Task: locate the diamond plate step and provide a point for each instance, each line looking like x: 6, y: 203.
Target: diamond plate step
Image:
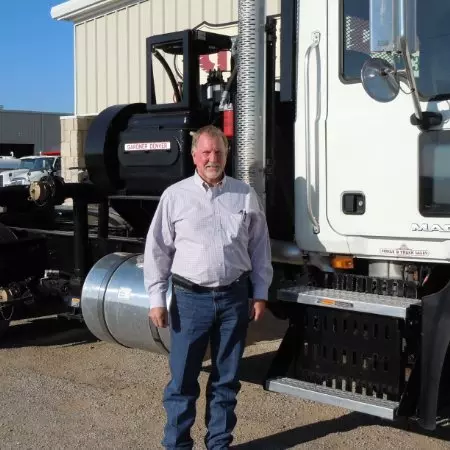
x: 383, y: 305
x: 373, y: 406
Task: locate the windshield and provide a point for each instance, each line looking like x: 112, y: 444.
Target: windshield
x: 36, y: 163
x: 431, y: 63
x: 9, y: 165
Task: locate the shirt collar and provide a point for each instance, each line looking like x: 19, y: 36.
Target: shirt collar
x: 200, y: 182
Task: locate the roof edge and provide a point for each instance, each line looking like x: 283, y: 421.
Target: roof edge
x: 81, y: 10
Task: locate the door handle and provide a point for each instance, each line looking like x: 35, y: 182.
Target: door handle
x: 314, y: 46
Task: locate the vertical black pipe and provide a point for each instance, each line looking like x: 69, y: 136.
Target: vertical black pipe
x: 81, y: 238
x: 271, y: 31
x: 103, y: 218
x: 151, y: 96
x: 288, y: 46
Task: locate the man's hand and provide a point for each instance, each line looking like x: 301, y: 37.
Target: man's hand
x: 258, y: 309
x: 159, y: 317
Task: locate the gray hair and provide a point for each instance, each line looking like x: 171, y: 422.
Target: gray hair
x: 211, y: 131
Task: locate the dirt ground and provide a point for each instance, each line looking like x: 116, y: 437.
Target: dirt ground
x: 60, y: 388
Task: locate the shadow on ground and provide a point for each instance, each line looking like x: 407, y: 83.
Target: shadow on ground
x: 309, y: 433
x: 47, y: 331
x: 254, y: 369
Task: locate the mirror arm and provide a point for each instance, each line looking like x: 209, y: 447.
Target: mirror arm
x: 424, y: 120
x: 402, y: 76
x: 411, y: 78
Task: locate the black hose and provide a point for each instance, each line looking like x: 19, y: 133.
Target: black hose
x: 169, y: 73
x: 228, y: 86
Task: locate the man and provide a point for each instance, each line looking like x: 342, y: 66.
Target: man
x: 210, y: 234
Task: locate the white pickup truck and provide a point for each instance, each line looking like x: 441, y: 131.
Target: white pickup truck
x: 31, y: 168
x: 8, y: 165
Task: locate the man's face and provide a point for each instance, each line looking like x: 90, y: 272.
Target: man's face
x: 210, y: 157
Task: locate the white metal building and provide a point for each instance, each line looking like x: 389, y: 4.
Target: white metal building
x: 29, y: 132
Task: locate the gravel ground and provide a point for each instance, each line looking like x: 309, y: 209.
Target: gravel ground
x: 62, y: 389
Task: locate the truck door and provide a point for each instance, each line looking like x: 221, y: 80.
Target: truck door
x: 383, y: 175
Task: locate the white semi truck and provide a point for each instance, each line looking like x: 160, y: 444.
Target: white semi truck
x: 351, y: 158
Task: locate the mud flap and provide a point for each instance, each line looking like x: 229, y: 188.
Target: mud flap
x: 435, y: 342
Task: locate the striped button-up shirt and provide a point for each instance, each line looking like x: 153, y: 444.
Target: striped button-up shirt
x: 208, y: 235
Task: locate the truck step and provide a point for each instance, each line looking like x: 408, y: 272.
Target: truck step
x: 373, y: 406
x: 383, y: 305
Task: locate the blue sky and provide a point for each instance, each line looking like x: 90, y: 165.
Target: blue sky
x: 36, y: 57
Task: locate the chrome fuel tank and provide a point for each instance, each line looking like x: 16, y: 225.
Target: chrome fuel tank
x: 115, y: 304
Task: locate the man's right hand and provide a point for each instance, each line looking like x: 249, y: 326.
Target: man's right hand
x: 159, y: 316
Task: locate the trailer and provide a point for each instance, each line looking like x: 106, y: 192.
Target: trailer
x: 349, y: 156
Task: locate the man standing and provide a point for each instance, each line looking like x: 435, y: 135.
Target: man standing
x: 210, y: 234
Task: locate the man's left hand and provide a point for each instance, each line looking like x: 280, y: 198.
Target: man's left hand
x: 258, y: 309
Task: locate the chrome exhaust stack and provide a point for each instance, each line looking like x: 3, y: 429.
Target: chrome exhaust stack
x: 251, y: 95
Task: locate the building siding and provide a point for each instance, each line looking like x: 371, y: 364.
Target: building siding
x: 43, y: 130
x: 110, y: 50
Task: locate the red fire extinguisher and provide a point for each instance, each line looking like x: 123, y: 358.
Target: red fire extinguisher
x: 228, y: 121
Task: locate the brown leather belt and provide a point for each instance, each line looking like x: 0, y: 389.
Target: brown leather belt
x: 178, y: 280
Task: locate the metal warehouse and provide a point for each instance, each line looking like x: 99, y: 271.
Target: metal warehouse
x: 27, y: 132
x: 110, y: 53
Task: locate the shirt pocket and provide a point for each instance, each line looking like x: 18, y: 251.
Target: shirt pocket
x: 236, y: 225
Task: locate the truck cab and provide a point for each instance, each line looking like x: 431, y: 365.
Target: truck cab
x: 372, y: 204
x: 33, y: 168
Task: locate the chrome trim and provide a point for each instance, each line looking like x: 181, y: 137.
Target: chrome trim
x: 382, y: 305
x: 251, y: 95
x: 314, y: 46
x: 373, y: 406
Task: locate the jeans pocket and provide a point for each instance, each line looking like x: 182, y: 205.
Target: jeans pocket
x: 182, y: 307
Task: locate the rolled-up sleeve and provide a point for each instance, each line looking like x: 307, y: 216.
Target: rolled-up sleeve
x: 259, y: 250
x: 158, y: 253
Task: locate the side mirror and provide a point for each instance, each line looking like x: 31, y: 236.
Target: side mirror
x: 380, y: 80
x: 393, y: 30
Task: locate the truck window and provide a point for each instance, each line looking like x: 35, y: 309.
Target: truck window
x: 431, y: 64
x: 434, y: 174
x: 355, y: 39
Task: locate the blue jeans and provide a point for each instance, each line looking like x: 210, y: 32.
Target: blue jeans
x: 196, y: 319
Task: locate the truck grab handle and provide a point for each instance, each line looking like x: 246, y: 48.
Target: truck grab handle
x: 314, y: 45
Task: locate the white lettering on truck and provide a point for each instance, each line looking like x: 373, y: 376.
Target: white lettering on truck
x: 429, y: 228
x: 146, y: 146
